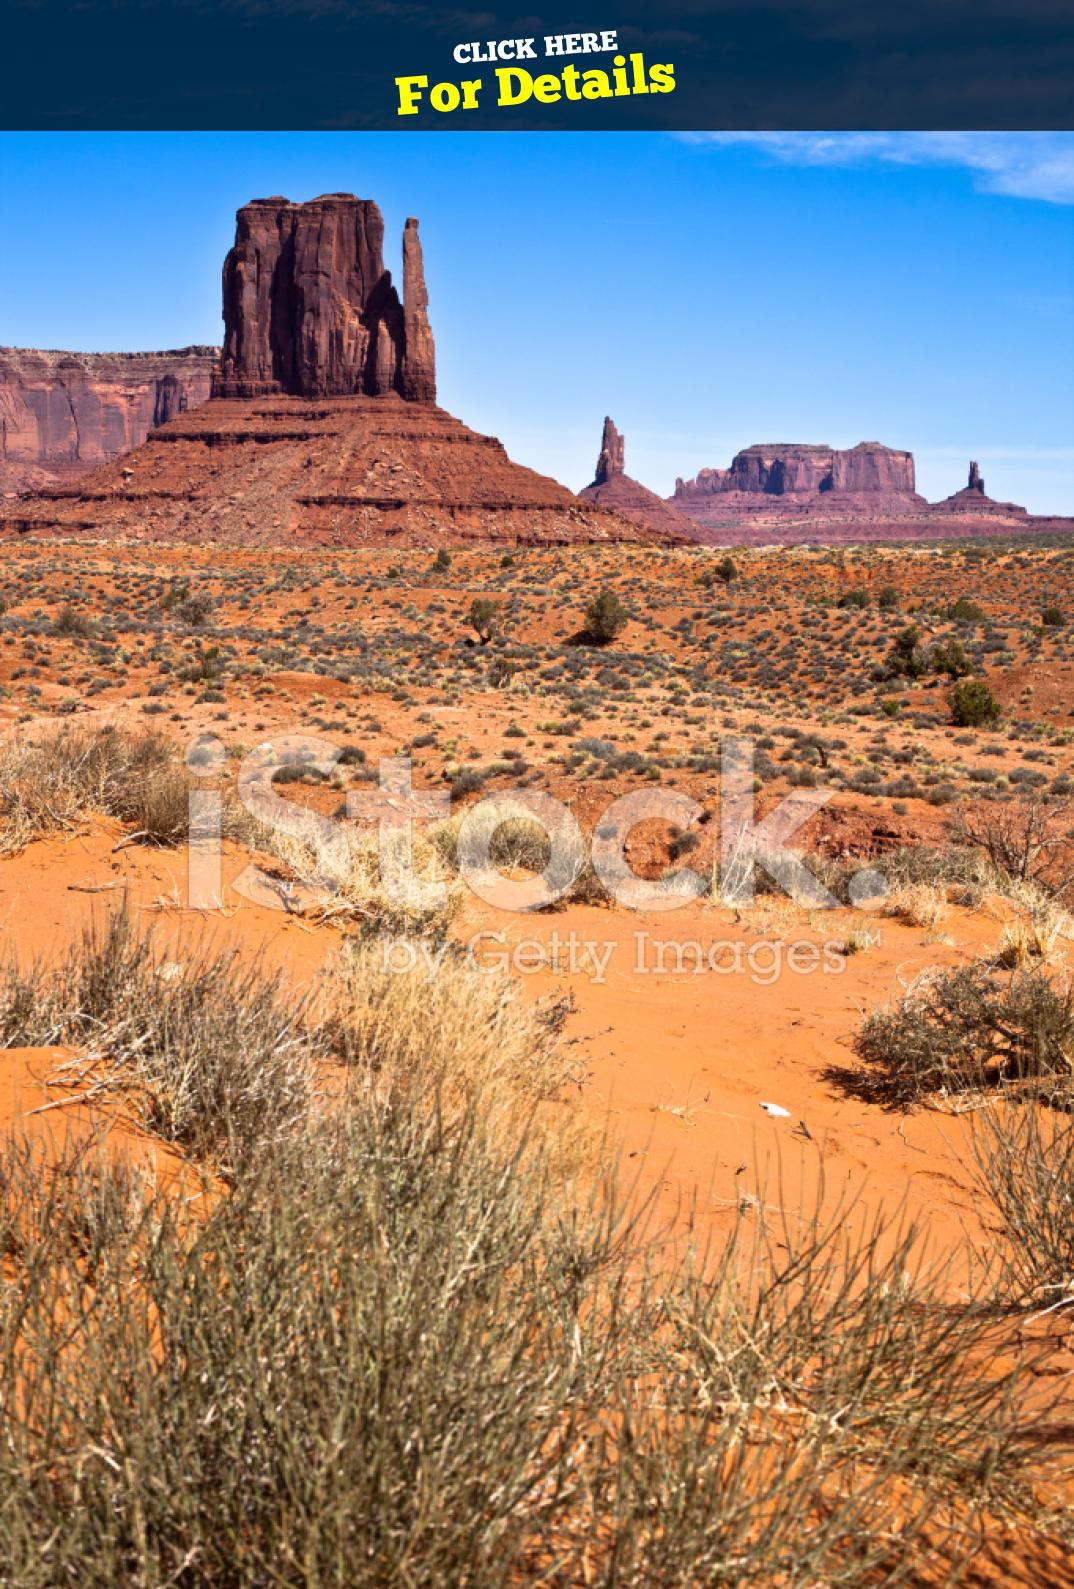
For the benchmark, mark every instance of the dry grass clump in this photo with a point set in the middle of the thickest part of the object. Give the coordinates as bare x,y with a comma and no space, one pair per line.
404,1344
50,784
515,840
1025,1168
396,884
212,1054
446,1034
394,1351
444,1022
859,939
1033,938
220,1057
903,875
965,1029
790,874
945,867
819,1413
359,1369
918,904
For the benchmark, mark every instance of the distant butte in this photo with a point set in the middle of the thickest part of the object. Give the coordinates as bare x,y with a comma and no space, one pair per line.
972,499
323,428
794,494
613,488
806,474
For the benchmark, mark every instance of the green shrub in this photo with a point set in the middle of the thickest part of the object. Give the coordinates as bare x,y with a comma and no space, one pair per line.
605,617
1053,618
966,1029
501,672
294,772
484,618
973,705
195,611
907,658
964,611
950,657
73,624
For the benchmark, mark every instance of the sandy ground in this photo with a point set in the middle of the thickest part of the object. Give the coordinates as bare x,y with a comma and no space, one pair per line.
711,1040
688,1022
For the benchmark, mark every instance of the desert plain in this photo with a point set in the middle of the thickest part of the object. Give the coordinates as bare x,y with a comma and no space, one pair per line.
731,1084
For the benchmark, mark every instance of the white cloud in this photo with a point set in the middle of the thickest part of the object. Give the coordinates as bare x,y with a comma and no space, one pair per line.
1022,165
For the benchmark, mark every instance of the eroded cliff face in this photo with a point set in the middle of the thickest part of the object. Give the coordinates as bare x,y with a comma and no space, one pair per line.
62,414
790,469
872,467
310,311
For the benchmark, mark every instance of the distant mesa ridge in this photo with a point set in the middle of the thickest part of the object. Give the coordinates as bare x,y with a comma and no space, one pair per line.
63,414
794,493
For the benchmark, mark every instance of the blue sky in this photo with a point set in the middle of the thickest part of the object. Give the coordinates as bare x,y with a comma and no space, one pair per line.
707,291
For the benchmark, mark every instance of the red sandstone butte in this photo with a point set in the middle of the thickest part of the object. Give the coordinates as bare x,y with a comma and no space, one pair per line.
613,488
973,501
789,494
323,429
63,414
310,310
797,476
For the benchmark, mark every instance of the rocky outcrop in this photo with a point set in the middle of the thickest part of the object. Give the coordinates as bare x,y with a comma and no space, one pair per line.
791,469
611,460
310,311
613,488
62,414
419,354
973,500
872,467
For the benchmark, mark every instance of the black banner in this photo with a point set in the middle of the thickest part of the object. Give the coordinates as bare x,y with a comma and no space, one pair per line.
711,64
